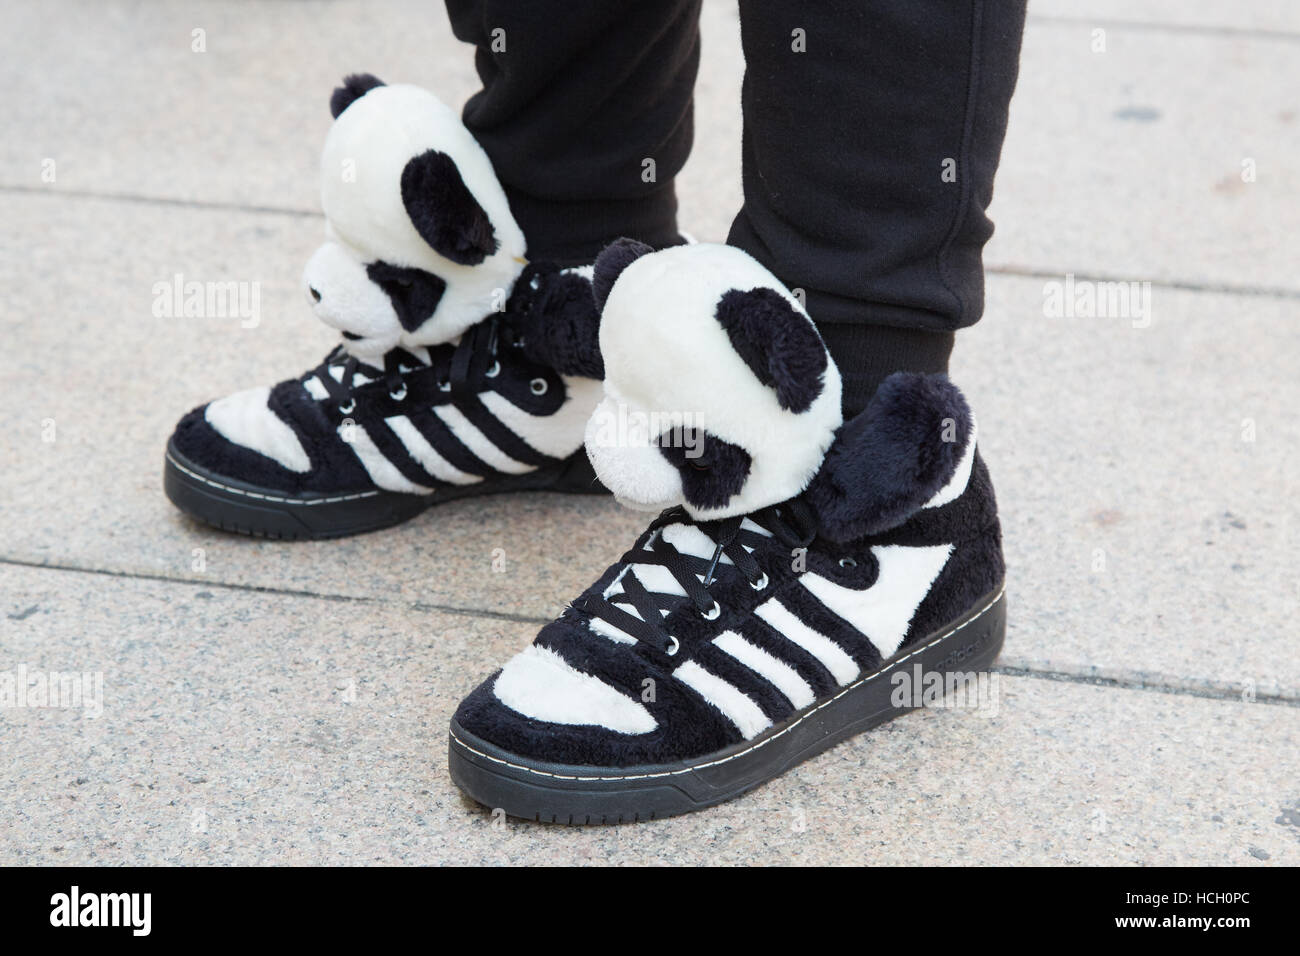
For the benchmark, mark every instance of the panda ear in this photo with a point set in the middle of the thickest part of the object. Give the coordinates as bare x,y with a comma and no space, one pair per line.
611,262
893,457
355,86
444,211
778,343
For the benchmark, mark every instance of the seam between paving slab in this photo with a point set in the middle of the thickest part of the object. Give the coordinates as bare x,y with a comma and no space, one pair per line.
1118,679
1011,271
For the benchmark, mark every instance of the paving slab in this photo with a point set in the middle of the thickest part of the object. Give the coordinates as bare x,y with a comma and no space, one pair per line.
1126,162
1224,16
1146,474
1131,161
268,729
1147,480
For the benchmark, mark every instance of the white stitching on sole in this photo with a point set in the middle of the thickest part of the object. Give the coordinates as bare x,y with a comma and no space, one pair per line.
761,743
253,494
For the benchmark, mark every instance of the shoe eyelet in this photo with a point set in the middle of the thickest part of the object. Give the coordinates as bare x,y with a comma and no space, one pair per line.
520,342
538,386
444,386
399,394
760,583
713,613
848,563
673,648
349,408
495,370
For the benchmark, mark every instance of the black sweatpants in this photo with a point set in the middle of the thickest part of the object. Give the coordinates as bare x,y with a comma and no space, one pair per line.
872,130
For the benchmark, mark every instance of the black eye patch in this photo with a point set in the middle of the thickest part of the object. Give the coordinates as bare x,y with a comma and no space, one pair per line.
713,470
415,294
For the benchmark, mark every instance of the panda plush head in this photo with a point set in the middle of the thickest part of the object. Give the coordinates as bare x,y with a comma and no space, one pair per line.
720,397
719,394
421,243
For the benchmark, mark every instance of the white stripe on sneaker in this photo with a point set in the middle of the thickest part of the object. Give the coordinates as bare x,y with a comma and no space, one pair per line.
883,611
246,419
735,705
831,655
382,471
559,434
960,476
479,445
542,685
784,677
418,447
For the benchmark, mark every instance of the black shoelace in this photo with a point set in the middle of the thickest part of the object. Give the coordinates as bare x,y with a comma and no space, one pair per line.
791,523
473,359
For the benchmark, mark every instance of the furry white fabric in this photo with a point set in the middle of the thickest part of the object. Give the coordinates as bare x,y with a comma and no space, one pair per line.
884,610
831,655
382,471
350,302
735,705
426,455
540,684
955,485
558,435
782,676
245,419
365,153
669,360
479,445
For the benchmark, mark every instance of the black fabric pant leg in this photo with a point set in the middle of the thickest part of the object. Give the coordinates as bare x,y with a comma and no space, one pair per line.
868,166
577,96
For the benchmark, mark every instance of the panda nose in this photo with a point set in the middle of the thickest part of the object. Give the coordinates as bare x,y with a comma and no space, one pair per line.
314,294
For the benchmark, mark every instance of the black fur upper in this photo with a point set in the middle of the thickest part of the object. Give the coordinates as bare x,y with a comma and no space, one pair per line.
444,211
355,86
415,293
779,345
615,257
555,315
886,462
712,470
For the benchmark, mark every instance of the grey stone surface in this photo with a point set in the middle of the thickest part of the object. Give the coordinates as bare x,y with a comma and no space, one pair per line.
1147,479
1223,16
1130,162
250,728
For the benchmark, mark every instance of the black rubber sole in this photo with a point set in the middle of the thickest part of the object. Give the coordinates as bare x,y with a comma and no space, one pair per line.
247,509
559,793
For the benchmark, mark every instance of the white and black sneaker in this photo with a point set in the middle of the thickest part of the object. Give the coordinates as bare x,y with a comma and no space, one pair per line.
802,565
463,370
352,447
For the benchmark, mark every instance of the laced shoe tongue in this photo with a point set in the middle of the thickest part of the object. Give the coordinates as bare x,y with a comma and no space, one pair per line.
683,542
341,371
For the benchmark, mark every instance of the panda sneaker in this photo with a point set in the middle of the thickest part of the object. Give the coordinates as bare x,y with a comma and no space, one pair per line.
463,370
805,572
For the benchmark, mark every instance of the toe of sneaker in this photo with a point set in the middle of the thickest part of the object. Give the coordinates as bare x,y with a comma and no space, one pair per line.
571,718
196,444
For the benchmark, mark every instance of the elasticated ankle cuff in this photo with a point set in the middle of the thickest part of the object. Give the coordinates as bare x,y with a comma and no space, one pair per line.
868,354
